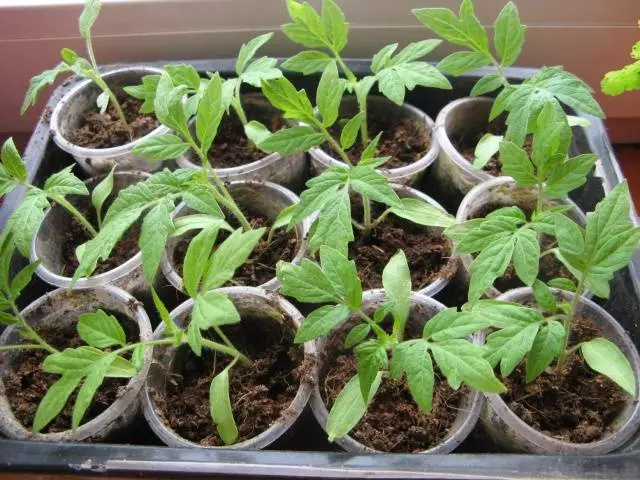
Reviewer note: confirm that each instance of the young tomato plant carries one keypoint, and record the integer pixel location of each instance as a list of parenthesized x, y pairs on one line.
[(329, 193), (382, 353), (625, 79), (394, 74), (593, 255), (72, 62), (522, 102), (506, 235), (26, 218)]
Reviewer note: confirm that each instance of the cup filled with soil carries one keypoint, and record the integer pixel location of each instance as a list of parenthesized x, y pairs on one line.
[(407, 137), (99, 140), (234, 157), (23, 383), (575, 411), (393, 421), (267, 396)]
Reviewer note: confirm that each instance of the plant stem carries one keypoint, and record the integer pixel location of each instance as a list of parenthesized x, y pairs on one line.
[(336, 146), (22, 346), (366, 207), (381, 218), (347, 71), (63, 202), (540, 196), (237, 105), (356, 224), (32, 333), (225, 349), (102, 84), (568, 320), (499, 68), (382, 335), (362, 104)]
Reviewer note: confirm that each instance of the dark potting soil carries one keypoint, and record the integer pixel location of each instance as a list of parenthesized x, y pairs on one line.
[(76, 235), (550, 266), (105, 130), (260, 267), (576, 405), (231, 147), (393, 422), (405, 141), (26, 386), (259, 392), (428, 255)]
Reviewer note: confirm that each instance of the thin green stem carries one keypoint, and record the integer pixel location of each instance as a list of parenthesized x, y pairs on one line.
[(356, 224), (366, 208), (64, 203), (381, 218), (334, 143), (150, 343), (382, 335), (499, 68), (232, 352), (362, 104), (568, 320), (237, 104), (347, 71), (31, 332), (540, 197), (23, 346)]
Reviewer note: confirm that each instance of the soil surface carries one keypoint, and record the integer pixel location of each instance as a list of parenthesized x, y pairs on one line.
[(76, 235), (260, 267), (550, 266), (405, 142), (104, 130), (26, 387), (575, 406), (427, 255), (259, 393), (231, 147), (393, 422)]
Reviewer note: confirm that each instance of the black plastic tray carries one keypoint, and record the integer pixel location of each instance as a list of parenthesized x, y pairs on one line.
[(305, 453)]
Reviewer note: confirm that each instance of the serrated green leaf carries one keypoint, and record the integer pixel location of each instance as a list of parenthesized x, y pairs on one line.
[(516, 164), (199, 197), (374, 185), (570, 175), (462, 62), (416, 50), (381, 58), (350, 131), (161, 147), (220, 408), (422, 213), (54, 400), (12, 161), (137, 357), (256, 132), (39, 82), (486, 84), (65, 182), (329, 94), (333, 227), (264, 68), (248, 51), (306, 282), (349, 407), (210, 111), (319, 191), (356, 335), (292, 140), (544, 296), (101, 192), (89, 388), (552, 138), (343, 275), (184, 74), (100, 330), (307, 62), (26, 218), (294, 103), (450, 324), (393, 81), (508, 34), (320, 322), (412, 358), (504, 315), (156, 228), (606, 358), (547, 345), (486, 148), (336, 27), (396, 280), (230, 255), (195, 260), (81, 360), (563, 284), (22, 278), (510, 345), (167, 104), (490, 264), (372, 359), (88, 17), (526, 255), (213, 309), (570, 239)]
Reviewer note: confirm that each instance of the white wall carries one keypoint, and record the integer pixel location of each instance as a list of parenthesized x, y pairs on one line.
[(589, 37)]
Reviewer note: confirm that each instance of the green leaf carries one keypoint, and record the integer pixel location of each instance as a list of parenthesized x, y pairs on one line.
[(416, 50), (161, 147), (305, 282), (80, 361), (307, 62), (562, 284), (184, 74), (256, 132), (248, 51), (570, 239), (374, 185), (65, 182), (12, 161), (230, 255), (508, 34), (343, 275), (220, 407), (54, 400), (393, 81), (450, 324), (526, 255), (486, 84), (259, 70), (335, 26), (89, 388), (412, 358), (137, 357), (477, 234), (101, 192), (292, 140), (195, 260), (486, 148), (209, 113), (510, 345), (213, 309), (516, 164), (372, 358), (333, 227), (552, 138), (422, 213), (544, 296), (490, 264), (168, 106), (26, 218), (606, 358), (356, 335), (22, 278), (319, 191), (194, 339), (39, 82), (349, 407), (503, 314), (462, 62), (199, 197), (294, 103), (547, 345), (100, 330), (329, 94), (569, 175), (320, 322), (460, 360), (381, 59), (88, 17), (350, 131), (156, 228), (396, 280), (198, 221)]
